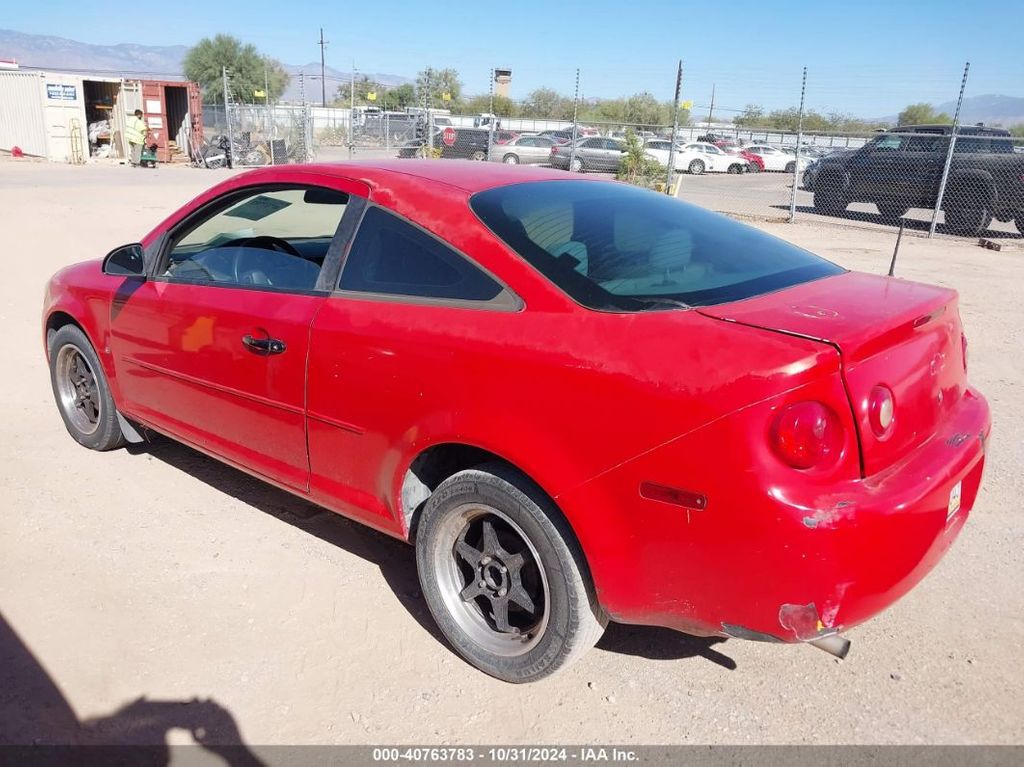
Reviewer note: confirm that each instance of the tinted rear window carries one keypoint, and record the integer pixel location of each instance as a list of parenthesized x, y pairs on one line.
[(616, 247)]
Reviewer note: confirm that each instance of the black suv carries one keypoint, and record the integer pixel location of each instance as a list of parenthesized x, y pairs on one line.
[(901, 169)]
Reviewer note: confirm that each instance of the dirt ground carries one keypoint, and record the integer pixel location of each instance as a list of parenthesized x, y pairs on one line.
[(160, 574)]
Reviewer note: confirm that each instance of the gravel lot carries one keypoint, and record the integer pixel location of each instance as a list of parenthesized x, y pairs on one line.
[(160, 574)]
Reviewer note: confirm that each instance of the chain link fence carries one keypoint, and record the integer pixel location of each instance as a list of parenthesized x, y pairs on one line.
[(964, 180)]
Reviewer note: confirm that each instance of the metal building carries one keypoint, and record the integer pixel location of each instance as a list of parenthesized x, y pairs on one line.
[(72, 117)]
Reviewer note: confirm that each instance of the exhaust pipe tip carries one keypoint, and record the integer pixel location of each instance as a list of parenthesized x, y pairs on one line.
[(833, 645)]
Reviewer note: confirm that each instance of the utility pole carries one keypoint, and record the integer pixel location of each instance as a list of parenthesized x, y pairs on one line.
[(323, 79), (670, 173), (799, 141), (227, 118), (949, 152), (351, 109), (575, 125), (711, 109)]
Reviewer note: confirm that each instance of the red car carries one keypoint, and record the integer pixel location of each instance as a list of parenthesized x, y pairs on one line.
[(580, 400), (754, 161)]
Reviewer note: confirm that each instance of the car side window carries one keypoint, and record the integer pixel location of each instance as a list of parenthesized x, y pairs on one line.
[(593, 143), (393, 257), (270, 237)]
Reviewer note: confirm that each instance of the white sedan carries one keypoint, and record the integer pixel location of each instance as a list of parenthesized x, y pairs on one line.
[(697, 157), (778, 159)]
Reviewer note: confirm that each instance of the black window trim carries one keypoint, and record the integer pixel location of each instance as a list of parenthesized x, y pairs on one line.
[(507, 299), (168, 239)]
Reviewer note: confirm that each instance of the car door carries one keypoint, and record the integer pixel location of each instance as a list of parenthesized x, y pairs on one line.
[(875, 168), (212, 347), (386, 350)]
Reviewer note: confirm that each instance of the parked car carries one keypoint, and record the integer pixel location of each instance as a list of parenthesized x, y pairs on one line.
[(658, 149), (560, 136), (902, 169), (709, 158), (468, 144), (776, 159), (504, 136), (434, 364), (594, 153), (525, 150), (754, 162)]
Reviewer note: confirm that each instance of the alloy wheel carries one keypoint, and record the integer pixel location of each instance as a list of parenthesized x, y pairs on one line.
[(490, 578), (78, 390)]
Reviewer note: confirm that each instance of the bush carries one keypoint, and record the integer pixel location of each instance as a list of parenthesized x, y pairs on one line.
[(636, 167)]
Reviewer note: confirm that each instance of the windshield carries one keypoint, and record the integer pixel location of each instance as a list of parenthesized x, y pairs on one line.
[(616, 247)]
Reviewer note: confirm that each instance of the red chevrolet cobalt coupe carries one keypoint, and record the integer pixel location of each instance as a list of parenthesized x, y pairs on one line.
[(580, 400)]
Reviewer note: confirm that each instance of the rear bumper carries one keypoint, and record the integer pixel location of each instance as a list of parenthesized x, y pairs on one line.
[(776, 559)]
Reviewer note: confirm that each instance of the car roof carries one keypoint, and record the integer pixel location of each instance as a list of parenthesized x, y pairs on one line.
[(467, 175), (946, 128)]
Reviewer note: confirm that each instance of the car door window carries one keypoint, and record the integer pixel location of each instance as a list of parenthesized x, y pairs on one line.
[(592, 143), (270, 238), (526, 142), (393, 257)]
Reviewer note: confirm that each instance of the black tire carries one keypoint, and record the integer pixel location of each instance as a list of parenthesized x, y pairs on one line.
[(478, 156), (576, 165), (735, 169), (510, 159), (829, 197), (891, 211), (968, 212), (754, 168), (93, 420), (696, 167), (790, 167), (519, 513)]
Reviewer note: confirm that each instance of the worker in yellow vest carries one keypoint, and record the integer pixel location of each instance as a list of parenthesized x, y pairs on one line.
[(135, 131)]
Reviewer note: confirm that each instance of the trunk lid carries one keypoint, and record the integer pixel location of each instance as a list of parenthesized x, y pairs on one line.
[(903, 335)]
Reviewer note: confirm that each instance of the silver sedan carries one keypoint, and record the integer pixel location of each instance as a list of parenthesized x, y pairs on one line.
[(526, 150)]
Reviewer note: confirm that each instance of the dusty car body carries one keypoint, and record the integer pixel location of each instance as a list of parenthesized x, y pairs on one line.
[(598, 403)]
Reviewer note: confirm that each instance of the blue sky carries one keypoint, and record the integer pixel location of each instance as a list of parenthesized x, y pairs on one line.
[(869, 57)]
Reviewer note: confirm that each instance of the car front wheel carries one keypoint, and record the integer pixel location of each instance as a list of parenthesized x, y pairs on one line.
[(511, 159), (829, 197), (576, 166), (504, 577), (696, 167), (81, 390)]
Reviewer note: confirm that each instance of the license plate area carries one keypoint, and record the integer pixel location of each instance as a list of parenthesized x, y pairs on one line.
[(953, 506)]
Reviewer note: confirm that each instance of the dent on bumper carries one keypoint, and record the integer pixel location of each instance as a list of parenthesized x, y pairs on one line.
[(788, 562)]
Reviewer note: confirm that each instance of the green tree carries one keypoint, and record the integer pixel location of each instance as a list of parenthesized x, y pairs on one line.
[(398, 97), (1017, 130), (922, 114), (502, 106), (205, 61), (432, 84), (547, 104), (636, 166)]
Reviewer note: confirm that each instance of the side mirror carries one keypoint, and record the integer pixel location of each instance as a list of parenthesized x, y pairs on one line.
[(126, 261)]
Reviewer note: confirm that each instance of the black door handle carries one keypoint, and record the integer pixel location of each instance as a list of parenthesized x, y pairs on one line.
[(264, 345)]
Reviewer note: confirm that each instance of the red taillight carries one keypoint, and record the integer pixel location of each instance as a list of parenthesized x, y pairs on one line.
[(554, 150), (881, 411), (807, 434)]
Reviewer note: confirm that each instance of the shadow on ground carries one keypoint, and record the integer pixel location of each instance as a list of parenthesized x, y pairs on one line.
[(395, 559), (35, 713)]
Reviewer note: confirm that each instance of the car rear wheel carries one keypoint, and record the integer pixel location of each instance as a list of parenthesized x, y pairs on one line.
[(81, 391), (478, 156), (735, 168), (510, 159), (892, 211), (755, 168), (829, 197), (696, 167), (576, 165), (790, 167), (968, 211), (504, 577)]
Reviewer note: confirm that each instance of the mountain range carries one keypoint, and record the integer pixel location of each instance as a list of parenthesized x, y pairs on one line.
[(163, 61), (156, 61)]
